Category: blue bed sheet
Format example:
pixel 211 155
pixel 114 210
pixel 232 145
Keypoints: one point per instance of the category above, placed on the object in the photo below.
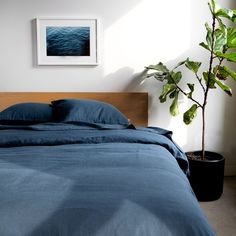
pixel 68 179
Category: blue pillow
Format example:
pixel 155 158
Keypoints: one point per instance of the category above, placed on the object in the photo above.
pixel 26 114
pixel 87 111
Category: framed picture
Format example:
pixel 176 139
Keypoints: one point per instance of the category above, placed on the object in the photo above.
pixel 67 41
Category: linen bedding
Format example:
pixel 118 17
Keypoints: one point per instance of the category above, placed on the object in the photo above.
pixel 103 180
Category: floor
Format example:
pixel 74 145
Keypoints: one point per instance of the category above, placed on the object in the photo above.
pixel 222 213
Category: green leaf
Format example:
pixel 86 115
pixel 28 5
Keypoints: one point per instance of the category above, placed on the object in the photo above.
pixel 180 63
pixel 150 75
pixel 174 110
pixel 190 114
pixel 159 67
pixel 160 77
pixel 209 35
pixel 172 94
pixel 191 87
pixel 167 88
pixel 205 46
pixel 234 16
pixel 231 37
pixel 220 72
pixel 175 77
pixel 220 39
pixel 227 13
pixel 193 65
pixel 157 75
pixel 228 56
pixel 160 73
pixel 221 24
pixel 230 72
pixel 223 86
pixel 206 78
pixel 212 6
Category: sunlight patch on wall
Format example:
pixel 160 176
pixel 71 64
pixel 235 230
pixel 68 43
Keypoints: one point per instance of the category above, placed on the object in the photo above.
pixel 153 31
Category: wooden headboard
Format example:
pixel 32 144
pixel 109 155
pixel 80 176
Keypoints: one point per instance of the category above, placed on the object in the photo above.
pixel 133 105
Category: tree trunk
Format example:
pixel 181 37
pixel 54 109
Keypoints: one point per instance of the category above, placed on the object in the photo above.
pixel 203 132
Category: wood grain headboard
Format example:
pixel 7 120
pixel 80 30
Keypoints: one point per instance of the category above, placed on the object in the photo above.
pixel 133 105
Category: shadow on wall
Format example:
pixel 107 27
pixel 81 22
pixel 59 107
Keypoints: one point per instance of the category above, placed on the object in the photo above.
pixel 139 84
pixel 154 88
pixel 34 42
pixel 159 113
pixel 129 81
pixel 229 134
pixel 218 138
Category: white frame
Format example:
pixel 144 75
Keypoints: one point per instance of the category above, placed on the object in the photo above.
pixel 43 59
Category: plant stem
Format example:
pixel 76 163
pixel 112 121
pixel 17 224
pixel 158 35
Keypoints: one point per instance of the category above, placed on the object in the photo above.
pixel 200 82
pixel 182 91
pixel 208 86
pixel 203 133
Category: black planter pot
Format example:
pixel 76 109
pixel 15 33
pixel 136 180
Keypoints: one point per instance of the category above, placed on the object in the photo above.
pixel 207 176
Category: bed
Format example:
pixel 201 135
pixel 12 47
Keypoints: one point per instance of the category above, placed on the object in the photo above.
pixel 81 167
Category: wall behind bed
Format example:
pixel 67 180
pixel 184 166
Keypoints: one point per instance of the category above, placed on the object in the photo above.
pixel 132 34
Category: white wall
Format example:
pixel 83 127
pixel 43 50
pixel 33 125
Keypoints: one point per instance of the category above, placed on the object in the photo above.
pixel 132 34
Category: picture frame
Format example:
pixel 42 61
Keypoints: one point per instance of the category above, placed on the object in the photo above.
pixel 66 41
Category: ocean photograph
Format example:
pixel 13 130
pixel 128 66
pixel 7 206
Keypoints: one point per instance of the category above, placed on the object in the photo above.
pixel 68 41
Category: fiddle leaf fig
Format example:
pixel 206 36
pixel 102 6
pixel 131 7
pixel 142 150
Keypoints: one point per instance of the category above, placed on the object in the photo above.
pixel 230 72
pixel 190 114
pixel 150 74
pixel 193 65
pixel 211 83
pixel 158 71
pixel 172 94
pixel 212 5
pixel 220 42
pixel 158 76
pixel 220 72
pixel 180 63
pixel 174 110
pixel 227 13
pixel 175 77
pixel 228 56
pixel 204 46
pixel 158 67
pixel 209 36
pixel 220 39
pixel 191 87
pixel 231 37
pixel 167 88
pixel 223 86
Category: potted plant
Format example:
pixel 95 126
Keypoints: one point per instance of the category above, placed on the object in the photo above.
pixel 206 168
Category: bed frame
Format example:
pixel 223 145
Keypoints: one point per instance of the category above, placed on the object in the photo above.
pixel 133 105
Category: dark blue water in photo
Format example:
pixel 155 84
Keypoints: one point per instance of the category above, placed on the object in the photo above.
pixel 68 41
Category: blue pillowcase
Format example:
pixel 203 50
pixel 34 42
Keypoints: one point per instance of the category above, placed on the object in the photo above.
pixel 26 114
pixel 64 110
pixel 87 111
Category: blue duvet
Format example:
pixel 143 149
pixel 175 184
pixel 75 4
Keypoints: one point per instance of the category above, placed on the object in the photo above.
pixel 71 180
